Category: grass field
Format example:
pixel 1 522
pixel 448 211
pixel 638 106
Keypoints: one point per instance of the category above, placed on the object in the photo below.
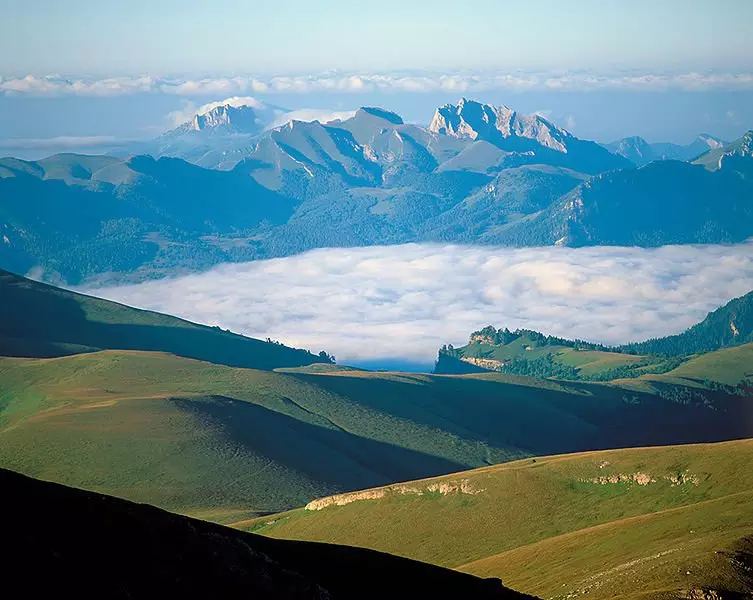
pixel 225 443
pixel 632 523
pixel 587 362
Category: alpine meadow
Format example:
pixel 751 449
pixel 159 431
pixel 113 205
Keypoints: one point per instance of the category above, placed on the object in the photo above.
pixel 381 300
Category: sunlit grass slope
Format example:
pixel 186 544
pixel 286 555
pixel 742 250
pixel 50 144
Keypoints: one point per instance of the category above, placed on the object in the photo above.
pixel 226 442
pixel 614 524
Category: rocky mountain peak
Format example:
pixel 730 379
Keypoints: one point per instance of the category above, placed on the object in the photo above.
pixel 234 119
pixel 476 121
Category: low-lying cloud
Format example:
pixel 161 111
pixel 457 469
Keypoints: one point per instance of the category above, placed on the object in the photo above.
pixel 338 82
pixel 405 301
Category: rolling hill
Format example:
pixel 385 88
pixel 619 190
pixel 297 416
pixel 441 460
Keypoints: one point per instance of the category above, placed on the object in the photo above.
pixel 526 352
pixel 40 320
pixel 93 546
pixel 672 522
pixel 226 443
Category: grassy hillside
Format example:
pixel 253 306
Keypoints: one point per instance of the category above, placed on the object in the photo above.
pixel 136 551
pixel 729 325
pixel 39 320
pixel 226 443
pixel 622 523
pixel 529 352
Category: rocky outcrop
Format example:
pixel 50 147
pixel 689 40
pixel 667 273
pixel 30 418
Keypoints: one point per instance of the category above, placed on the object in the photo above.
pixel 445 488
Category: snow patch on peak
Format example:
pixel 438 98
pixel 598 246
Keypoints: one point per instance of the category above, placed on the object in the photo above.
pixel 711 141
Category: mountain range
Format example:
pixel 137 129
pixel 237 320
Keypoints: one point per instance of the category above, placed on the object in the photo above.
pixel 477 174
pixel 641 152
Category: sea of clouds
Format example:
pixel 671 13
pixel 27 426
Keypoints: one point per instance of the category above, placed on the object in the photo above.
pixel 378 305
pixel 330 82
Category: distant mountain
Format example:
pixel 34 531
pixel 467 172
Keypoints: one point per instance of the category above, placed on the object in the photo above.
pixel 664 202
pixel 531 139
pixel 75 217
pixel 137 551
pixel 40 320
pixel 478 174
pixel 641 152
pixel 218 135
pixel 729 154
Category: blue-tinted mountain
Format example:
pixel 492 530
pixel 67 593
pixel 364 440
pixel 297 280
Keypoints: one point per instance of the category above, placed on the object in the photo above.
pixel 664 202
pixel 74 216
pixel 477 174
pixel 641 152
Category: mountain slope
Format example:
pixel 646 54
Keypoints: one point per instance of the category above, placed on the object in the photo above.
pixel 719 157
pixel 79 216
pixel 637 523
pixel 664 202
pixel 730 325
pixel 228 443
pixel 137 551
pixel 40 320
pixel 641 152
pixel 529 352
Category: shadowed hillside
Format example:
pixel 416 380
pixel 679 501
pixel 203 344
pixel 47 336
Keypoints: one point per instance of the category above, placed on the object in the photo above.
pixel 39 320
pixel 92 546
pixel 227 443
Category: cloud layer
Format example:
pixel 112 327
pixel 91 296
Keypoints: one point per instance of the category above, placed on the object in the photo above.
pixel 335 82
pixel 406 301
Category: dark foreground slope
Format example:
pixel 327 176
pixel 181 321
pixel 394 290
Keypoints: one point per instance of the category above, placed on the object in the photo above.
pixel 39 320
pixel 67 542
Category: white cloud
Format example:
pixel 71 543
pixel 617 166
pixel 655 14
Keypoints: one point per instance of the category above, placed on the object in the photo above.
pixel 64 141
pixel 271 116
pixel 406 301
pixel 189 109
pixel 370 82
pixel 312 114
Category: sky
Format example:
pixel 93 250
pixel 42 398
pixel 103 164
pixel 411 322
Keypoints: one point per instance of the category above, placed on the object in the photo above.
pixel 92 76
pixel 394 306
pixel 178 36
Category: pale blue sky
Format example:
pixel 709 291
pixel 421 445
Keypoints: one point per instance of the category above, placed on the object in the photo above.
pixel 233 36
